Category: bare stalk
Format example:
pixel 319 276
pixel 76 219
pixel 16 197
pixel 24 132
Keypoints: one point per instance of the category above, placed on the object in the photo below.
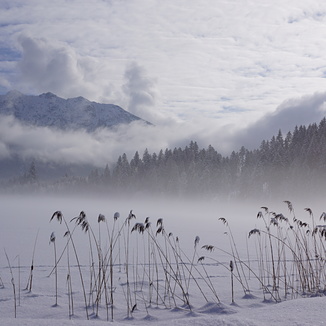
pixel 13 285
pixel 52 240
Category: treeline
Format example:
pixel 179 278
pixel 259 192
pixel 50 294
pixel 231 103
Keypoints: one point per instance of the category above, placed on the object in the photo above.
pixel 282 166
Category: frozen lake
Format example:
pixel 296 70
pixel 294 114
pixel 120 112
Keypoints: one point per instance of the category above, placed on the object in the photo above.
pixel 25 221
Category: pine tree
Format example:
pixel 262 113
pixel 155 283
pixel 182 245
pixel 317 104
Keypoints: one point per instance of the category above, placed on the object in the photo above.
pixel 31 176
pixel 106 177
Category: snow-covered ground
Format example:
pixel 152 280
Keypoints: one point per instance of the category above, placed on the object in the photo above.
pixel 25 222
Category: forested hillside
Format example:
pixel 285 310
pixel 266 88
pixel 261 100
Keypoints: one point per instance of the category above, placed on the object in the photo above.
pixel 282 166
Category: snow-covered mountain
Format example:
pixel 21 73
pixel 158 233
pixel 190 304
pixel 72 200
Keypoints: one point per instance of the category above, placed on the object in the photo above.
pixel 52 111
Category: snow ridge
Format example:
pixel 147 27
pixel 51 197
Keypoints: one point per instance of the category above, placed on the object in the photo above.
pixel 74 113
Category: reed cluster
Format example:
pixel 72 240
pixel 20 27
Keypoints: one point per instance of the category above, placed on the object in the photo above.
pixel 147 264
pixel 291 253
pixel 150 268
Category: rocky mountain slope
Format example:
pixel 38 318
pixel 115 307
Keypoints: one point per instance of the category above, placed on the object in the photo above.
pixel 52 111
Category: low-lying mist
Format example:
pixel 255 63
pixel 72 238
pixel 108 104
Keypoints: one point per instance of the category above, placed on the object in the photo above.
pixel 25 221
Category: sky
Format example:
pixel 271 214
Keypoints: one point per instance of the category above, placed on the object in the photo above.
pixel 225 73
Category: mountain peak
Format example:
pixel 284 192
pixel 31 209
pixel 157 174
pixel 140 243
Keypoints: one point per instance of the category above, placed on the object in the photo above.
pixel 13 94
pixel 48 95
pixel 78 100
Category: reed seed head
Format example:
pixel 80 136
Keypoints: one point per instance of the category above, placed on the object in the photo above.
pixel 307 209
pixel 101 218
pixel 85 226
pixel 82 221
pixel 160 230
pixel 301 224
pixel 254 231
pixel 197 239
pixel 323 233
pixel 79 219
pixel 290 207
pixel 208 247
pixel 58 215
pixel 224 221
pixel 231 265
pixel 281 217
pixel 273 221
pixel 138 227
pixel 265 209
pixel 200 259
pixel 131 215
pixel 323 216
pixel 52 237
pixel 259 214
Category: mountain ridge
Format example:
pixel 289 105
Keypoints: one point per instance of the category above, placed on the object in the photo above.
pixel 50 110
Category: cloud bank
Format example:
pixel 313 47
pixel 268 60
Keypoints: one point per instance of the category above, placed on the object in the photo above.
pixel 304 110
pixel 105 145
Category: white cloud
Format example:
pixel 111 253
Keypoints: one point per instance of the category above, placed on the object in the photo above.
pixel 142 94
pixel 56 67
pixel 293 112
pixel 98 148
